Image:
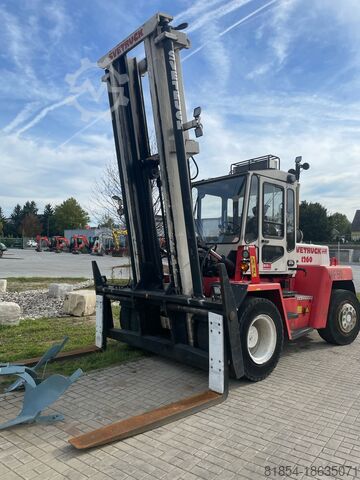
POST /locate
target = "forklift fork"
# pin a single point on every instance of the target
(224, 348)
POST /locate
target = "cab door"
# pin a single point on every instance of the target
(272, 223)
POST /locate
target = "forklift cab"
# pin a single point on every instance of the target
(254, 205)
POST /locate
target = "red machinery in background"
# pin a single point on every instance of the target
(42, 242)
(79, 244)
(59, 244)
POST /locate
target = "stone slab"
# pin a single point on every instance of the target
(9, 313)
(59, 290)
(80, 303)
(3, 285)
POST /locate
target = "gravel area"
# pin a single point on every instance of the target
(37, 303)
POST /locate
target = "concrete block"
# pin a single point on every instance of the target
(3, 285)
(59, 290)
(80, 303)
(9, 313)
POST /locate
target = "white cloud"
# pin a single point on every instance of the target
(324, 129)
(278, 31)
(29, 39)
(283, 32)
(218, 57)
(38, 171)
(60, 20)
(332, 151)
(239, 22)
(13, 36)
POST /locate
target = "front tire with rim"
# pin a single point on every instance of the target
(262, 337)
(343, 323)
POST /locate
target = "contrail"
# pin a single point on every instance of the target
(21, 117)
(197, 9)
(83, 129)
(217, 13)
(239, 22)
(45, 111)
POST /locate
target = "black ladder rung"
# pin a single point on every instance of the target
(288, 293)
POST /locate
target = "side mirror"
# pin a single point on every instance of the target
(182, 26)
(198, 131)
(197, 112)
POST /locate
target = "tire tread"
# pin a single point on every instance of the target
(250, 305)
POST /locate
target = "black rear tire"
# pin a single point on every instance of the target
(343, 322)
(257, 366)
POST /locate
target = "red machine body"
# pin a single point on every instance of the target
(42, 242)
(59, 244)
(231, 243)
(303, 299)
(79, 244)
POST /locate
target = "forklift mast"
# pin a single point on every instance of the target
(139, 169)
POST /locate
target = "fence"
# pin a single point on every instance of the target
(16, 242)
(345, 255)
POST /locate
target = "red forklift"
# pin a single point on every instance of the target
(238, 280)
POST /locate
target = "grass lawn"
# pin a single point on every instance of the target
(20, 284)
(33, 337)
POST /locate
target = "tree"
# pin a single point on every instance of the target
(70, 215)
(107, 195)
(2, 223)
(14, 227)
(107, 222)
(30, 225)
(29, 207)
(105, 188)
(48, 221)
(314, 222)
(339, 225)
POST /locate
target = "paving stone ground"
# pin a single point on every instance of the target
(304, 416)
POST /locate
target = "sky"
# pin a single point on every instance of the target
(277, 77)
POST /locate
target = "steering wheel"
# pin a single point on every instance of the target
(229, 228)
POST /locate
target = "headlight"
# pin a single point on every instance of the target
(244, 266)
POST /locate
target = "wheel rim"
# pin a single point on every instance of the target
(261, 339)
(347, 318)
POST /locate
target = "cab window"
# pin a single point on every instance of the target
(252, 218)
(290, 220)
(273, 211)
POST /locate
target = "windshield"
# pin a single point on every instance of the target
(218, 209)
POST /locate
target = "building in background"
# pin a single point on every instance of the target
(355, 227)
(88, 232)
